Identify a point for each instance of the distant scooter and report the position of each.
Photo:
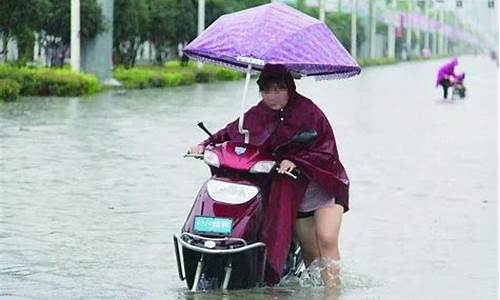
(218, 246)
(458, 87)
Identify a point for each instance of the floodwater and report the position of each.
(92, 188)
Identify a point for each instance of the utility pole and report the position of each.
(97, 53)
(446, 38)
(75, 35)
(455, 38)
(426, 33)
(373, 27)
(201, 21)
(322, 10)
(354, 43)
(441, 35)
(391, 31)
(409, 24)
(435, 36)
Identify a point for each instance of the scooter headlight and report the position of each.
(211, 158)
(264, 166)
(232, 193)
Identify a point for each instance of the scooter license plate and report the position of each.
(213, 225)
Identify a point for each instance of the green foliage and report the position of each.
(225, 74)
(173, 79)
(175, 21)
(25, 44)
(203, 76)
(215, 8)
(57, 19)
(403, 5)
(381, 27)
(9, 90)
(64, 83)
(366, 62)
(141, 78)
(187, 77)
(172, 74)
(340, 24)
(134, 78)
(19, 19)
(23, 76)
(130, 29)
(171, 22)
(172, 64)
(50, 82)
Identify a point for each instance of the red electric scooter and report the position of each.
(218, 247)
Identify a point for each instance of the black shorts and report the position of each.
(307, 214)
(302, 215)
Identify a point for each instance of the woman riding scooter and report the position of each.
(314, 203)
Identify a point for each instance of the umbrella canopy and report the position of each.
(274, 33)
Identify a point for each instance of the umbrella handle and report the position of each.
(245, 132)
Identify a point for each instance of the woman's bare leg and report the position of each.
(305, 231)
(328, 221)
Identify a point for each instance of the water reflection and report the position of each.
(267, 294)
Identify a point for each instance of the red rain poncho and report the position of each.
(318, 162)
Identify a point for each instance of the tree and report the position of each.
(187, 22)
(130, 29)
(20, 19)
(171, 22)
(216, 8)
(340, 24)
(56, 26)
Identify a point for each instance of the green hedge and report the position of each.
(366, 62)
(203, 75)
(64, 83)
(50, 82)
(172, 74)
(9, 90)
(225, 74)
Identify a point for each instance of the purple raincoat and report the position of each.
(447, 70)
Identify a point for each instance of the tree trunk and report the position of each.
(5, 44)
(25, 46)
(132, 54)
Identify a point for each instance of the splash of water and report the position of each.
(321, 272)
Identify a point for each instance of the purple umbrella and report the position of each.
(274, 33)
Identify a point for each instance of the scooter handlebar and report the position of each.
(294, 173)
(194, 155)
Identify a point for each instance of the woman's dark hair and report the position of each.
(269, 82)
(276, 76)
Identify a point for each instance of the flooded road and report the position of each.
(92, 188)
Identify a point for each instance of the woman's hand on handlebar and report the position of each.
(286, 166)
(198, 149)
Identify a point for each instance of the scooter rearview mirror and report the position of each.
(305, 137)
(202, 126)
